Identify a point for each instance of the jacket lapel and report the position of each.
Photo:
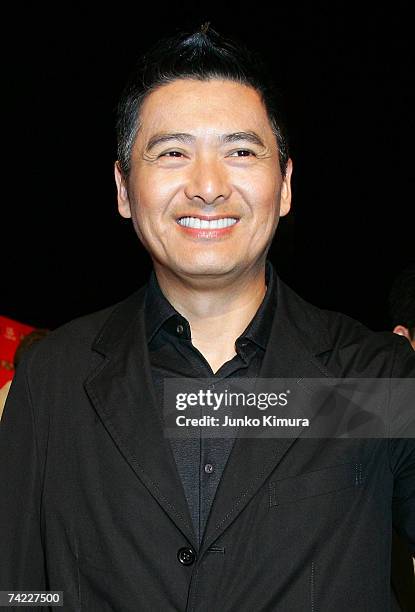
(287, 356)
(122, 394)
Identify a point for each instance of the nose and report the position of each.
(208, 181)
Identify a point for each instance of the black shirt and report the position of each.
(201, 461)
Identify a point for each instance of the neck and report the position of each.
(217, 310)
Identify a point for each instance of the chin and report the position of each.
(204, 267)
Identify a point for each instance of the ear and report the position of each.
(402, 331)
(122, 193)
(285, 199)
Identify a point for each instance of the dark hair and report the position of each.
(203, 55)
(402, 300)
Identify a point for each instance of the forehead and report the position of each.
(215, 105)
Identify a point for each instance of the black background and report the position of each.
(347, 74)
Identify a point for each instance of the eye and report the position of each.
(171, 154)
(242, 153)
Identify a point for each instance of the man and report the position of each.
(107, 509)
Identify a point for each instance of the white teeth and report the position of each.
(196, 223)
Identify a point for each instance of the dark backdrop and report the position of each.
(347, 74)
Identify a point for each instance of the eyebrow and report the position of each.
(158, 139)
(251, 137)
(163, 138)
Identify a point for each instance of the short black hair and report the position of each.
(203, 55)
(402, 300)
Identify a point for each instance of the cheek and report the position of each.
(153, 196)
(150, 219)
(260, 186)
(264, 198)
(147, 207)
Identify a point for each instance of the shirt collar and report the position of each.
(159, 313)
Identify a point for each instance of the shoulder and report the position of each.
(364, 352)
(69, 346)
(75, 335)
(347, 346)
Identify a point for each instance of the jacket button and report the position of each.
(186, 556)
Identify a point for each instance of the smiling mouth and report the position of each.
(206, 223)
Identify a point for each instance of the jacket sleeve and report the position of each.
(22, 564)
(402, 442)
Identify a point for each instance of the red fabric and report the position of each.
(11, 333)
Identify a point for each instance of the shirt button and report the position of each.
(209, 468)
(186, 556)
(179, 329)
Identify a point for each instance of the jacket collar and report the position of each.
(301, 320)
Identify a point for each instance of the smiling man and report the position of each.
(205, 192)
(97, 501)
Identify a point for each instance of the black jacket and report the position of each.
(92, 504)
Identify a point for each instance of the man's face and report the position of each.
(205, 190)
